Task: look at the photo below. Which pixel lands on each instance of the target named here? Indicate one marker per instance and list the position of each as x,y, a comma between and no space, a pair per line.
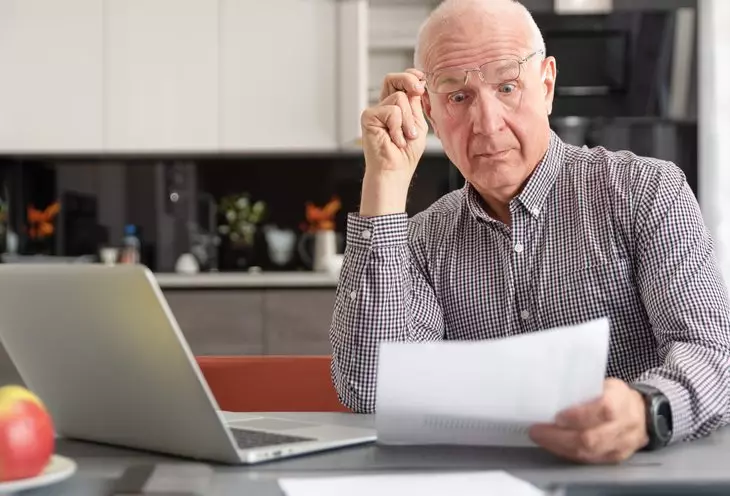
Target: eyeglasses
493,72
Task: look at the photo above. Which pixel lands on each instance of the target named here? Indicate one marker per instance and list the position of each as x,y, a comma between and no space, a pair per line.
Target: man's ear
550,72
426,101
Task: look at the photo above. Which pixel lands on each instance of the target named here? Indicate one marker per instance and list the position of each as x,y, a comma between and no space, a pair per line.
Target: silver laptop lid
102,349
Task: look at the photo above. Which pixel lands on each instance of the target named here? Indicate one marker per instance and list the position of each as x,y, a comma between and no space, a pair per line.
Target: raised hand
394,138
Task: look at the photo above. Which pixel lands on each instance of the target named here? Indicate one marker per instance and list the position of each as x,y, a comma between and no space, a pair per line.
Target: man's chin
497,176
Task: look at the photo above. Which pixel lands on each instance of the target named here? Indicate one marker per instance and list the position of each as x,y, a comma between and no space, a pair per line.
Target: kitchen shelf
220,280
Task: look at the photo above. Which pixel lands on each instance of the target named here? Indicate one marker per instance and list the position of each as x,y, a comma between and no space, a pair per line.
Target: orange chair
271,383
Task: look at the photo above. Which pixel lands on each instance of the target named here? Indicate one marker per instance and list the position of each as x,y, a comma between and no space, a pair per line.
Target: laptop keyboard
246,438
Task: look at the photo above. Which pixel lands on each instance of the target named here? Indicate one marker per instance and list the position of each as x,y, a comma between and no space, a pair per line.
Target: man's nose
488,113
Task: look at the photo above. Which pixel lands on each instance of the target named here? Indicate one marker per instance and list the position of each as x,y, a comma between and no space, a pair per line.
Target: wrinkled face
492,119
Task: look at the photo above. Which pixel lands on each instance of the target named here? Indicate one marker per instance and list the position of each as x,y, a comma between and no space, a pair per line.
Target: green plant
241,216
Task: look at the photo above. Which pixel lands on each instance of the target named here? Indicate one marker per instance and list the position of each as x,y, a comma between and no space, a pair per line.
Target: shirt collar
537,188
543,179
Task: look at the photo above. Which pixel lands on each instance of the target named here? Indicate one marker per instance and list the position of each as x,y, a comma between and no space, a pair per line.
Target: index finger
408,81
416,72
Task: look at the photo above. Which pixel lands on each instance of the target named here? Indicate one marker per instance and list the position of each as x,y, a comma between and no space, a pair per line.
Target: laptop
102,349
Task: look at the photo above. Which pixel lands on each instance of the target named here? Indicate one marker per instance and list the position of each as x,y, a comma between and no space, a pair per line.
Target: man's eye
507,88
457,97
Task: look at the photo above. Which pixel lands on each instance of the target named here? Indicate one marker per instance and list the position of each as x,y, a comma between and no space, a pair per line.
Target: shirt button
525,314
536,211
353,295
365,234
519,248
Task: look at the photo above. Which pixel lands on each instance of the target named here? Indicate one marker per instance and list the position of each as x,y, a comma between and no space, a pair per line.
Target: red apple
26,434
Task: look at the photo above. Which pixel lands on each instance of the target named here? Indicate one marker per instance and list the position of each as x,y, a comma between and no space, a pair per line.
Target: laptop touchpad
270,424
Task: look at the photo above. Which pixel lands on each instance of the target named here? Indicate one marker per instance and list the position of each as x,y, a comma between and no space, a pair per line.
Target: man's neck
497,206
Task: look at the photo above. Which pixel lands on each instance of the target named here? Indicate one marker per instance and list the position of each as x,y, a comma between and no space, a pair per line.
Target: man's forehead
471,40
496,60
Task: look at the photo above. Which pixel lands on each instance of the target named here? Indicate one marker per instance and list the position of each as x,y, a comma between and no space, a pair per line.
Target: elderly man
543,234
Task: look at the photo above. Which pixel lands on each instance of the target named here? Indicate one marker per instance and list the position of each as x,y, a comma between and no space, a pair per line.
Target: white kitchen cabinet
278,75
353,70
51,60
161,77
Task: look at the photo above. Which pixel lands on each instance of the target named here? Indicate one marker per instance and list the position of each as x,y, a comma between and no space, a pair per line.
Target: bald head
453,15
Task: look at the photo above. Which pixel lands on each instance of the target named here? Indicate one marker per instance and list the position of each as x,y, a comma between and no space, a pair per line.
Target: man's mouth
498,154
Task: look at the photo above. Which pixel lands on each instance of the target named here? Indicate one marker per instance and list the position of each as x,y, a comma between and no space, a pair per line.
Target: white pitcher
324,257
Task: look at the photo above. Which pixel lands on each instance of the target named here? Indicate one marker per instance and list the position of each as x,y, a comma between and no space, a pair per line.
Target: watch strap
657,414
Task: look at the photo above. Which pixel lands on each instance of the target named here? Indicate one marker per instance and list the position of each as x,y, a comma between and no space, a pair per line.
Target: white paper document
487,392
464,484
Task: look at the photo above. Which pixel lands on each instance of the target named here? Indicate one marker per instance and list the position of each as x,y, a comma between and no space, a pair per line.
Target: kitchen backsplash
179,204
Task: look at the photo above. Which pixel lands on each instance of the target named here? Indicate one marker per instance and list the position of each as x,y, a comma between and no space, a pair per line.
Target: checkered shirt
594,233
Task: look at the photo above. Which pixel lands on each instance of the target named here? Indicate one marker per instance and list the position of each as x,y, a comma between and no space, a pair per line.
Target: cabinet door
52,76
297,321
278,75
353,70
162,75
219,322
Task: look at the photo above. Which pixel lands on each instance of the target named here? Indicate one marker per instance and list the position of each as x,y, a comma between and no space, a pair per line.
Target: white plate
58,468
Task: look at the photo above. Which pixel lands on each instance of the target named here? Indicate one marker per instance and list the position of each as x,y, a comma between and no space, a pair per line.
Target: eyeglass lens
495,72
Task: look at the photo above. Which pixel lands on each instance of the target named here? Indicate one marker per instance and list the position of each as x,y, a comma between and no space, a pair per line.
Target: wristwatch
658,416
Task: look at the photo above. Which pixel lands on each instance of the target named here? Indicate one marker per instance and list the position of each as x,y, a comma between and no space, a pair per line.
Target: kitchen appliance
623,63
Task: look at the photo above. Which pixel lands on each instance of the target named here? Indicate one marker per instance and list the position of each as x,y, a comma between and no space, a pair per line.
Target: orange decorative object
321,218
40,222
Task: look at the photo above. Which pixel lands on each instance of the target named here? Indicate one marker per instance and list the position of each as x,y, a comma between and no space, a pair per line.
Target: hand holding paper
487,392
607,430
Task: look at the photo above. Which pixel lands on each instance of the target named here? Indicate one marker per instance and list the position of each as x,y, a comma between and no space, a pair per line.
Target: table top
705,460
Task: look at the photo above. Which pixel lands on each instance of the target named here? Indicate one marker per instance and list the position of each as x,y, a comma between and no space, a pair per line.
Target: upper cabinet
278,75
161,75
352,19
209,76
51,55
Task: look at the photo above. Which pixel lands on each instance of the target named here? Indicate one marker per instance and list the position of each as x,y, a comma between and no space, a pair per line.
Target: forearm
379,298
686,298
384,193
691,323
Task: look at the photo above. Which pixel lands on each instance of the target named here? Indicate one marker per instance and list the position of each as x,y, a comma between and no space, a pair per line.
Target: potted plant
240,220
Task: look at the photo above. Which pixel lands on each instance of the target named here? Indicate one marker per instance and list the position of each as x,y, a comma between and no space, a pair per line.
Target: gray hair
448,7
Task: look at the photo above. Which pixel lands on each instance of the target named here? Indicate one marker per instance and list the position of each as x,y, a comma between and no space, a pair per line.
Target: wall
714,119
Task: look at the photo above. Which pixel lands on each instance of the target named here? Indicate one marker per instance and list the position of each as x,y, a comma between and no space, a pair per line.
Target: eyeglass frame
520,63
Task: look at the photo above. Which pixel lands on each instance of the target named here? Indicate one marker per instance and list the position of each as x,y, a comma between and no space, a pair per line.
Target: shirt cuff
680,403
373,232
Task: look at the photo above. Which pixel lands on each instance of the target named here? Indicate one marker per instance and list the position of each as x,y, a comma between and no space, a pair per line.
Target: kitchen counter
220,280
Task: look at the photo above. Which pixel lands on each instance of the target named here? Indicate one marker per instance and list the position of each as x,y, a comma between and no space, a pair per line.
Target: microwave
618,64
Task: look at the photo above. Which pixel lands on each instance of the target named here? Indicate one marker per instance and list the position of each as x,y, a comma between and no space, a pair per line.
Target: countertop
303,279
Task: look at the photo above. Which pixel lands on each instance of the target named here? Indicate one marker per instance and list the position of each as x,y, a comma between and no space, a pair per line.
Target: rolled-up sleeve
687,302
383,294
